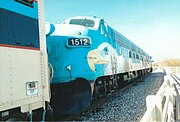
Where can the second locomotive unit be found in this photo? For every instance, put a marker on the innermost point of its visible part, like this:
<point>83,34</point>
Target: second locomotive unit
<point>90,59</point>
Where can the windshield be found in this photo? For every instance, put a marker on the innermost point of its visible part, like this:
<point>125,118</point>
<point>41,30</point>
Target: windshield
<point>84,22</point>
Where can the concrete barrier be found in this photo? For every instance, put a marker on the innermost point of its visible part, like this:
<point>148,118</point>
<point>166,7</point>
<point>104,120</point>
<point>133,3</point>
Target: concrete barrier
<point>160,107</point>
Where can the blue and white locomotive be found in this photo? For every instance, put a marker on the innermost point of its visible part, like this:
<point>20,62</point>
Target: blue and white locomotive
<point>90,59</point>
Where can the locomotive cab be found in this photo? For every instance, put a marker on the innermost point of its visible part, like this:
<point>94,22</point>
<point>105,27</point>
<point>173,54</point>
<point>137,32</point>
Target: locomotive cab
<point>68,45</point>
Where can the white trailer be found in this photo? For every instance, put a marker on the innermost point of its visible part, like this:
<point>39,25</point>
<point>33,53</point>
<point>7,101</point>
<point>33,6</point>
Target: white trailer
<point>24,81</point>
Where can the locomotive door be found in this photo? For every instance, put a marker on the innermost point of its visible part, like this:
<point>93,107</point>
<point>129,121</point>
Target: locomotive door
<point>109,34</point>
<point>111,37</point>
<point>113,61</point>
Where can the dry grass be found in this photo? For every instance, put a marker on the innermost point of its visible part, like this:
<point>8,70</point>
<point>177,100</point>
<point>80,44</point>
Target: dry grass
<point>170,62</point>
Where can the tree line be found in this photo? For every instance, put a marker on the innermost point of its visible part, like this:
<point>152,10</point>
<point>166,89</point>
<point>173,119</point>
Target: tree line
<point>169,62</point>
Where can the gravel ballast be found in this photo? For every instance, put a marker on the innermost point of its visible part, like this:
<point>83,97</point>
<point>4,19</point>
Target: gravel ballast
<point>129,105</point>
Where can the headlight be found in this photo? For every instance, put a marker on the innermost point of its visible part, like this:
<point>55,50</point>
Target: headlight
<point>79,33</point>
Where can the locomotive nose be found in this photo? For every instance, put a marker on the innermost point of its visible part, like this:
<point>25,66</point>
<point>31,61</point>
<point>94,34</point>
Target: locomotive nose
<point>71,97</point>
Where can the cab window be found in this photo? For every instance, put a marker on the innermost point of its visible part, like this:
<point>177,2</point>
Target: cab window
<point>84,22</point>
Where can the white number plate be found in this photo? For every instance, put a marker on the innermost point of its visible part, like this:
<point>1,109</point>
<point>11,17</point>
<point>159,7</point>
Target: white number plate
<point>79,41</point>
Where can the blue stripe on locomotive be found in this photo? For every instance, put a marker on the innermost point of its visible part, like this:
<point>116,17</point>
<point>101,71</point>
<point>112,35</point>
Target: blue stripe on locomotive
<point>22,16</point>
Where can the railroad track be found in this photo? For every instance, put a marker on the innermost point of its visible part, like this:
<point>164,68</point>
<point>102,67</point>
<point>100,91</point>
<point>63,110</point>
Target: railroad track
<point>96,106</point>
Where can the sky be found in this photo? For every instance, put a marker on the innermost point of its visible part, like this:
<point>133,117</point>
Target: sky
<point>153,25</point>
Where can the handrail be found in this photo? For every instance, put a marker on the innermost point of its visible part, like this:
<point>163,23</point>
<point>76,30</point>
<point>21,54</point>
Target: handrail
<point>160,107</point>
